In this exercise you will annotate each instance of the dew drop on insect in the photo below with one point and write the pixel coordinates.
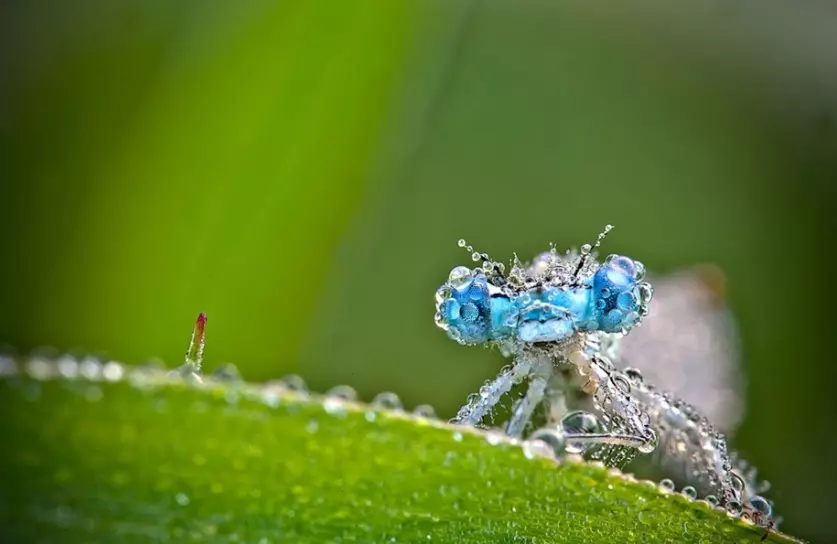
(761, 505)
(425, 411)
(459, 276)
(666, 485)
(651, 444)
(737, 482)
(634, 375)
(343, 392)
(386, 401)
(586, 249)
(689, 492)
(639, 273)
(475, 256)
(462, 242)
(645, 293)
(734, 508)
(621, 383)
(554, 438)
(712, 499)
(578, 422)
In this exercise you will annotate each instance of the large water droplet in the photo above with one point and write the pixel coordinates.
(761, 505)
(459, 277)
(639, 274)
(689, 492)
(112, 371)
(734, 508)
(227, 372)
(90, 368)
(651, 444)
(425, 411)
(554, 438)
(292, 382)
(387, 401)
(343, 392)
(634, 375)
(578, 422)
(666, 485)
(712, 499)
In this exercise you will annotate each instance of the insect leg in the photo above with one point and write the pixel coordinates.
(541, 372)
(493, 390)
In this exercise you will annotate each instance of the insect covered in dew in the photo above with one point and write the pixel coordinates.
(560, 319)
(550, 316)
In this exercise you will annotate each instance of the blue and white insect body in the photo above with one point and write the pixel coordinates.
(549, 302)
(547, 315)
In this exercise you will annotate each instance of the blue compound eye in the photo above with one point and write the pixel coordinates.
(469, 312)
(620, 297)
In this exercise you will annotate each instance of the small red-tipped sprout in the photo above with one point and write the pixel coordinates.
(194, 355)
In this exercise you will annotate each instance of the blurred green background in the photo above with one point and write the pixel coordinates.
(301, 171)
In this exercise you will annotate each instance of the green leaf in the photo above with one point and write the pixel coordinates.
(142, 456)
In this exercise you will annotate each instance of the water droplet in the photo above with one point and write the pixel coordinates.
(39, 368)
(736, 481)
(578, 422)
(639, 272)
(761, 505)
(586, 249)
(651, 444)
(457, 436)
(343, 392)
(8, 367)
(68, 367)
(312, 426)
(460, 276)
(462, 242)
(689, 492)
(424, 410)
(554, 438)
(734, 508)
(335, 406)
(648, 517)
(112, 371)
(712, 499)
(633, 374)
(371, 416)
(292, 382)
(494, 437)
(537, 448)
(621, 383)
(227, 372)
(90, 368)
(182, 499)
(646, 292)
(667, 485)
(475, 256)
(387, 401)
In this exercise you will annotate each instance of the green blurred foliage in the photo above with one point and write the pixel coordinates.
(301, 172)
